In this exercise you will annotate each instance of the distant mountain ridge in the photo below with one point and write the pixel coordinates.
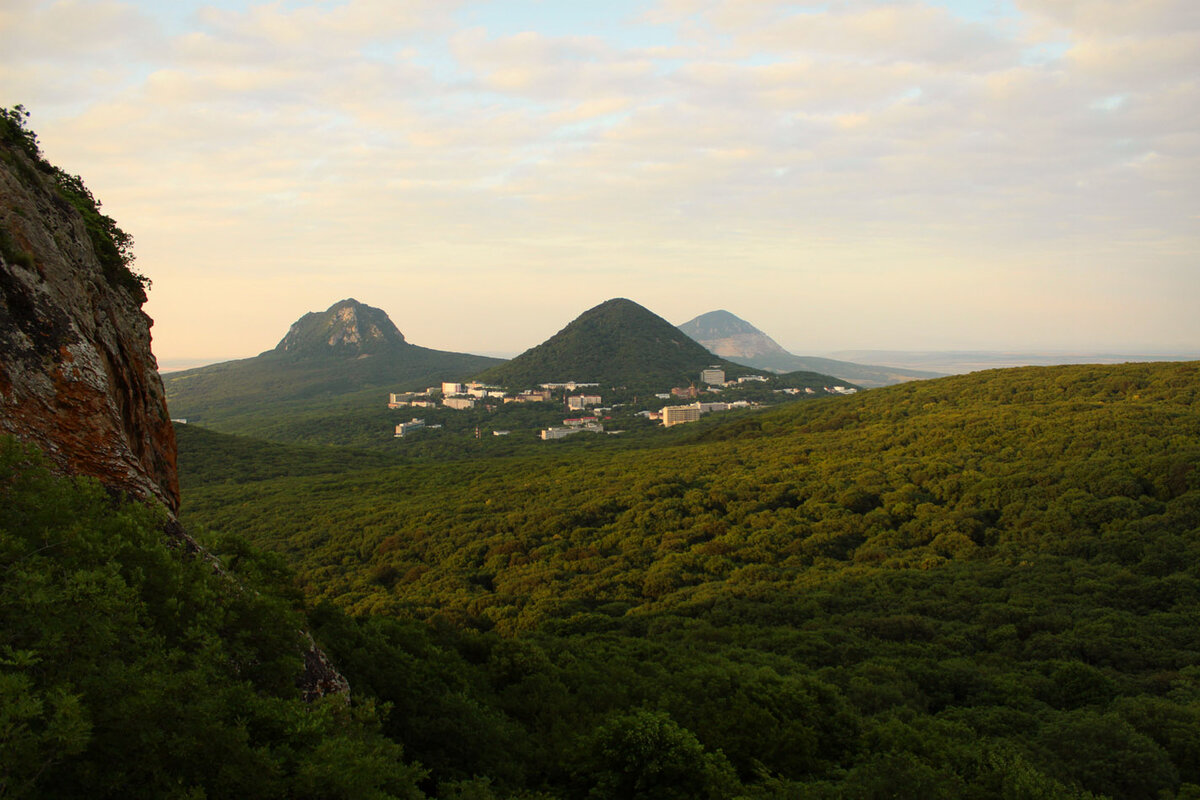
(732, 337)
(615, 343)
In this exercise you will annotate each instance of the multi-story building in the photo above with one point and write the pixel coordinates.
(570, 386)
(677, 415)
(529, 397)
(407, 427)
(583, 401)
(562, 433)
(450, 389)
(458, 403)
(401, 399)
(712, 376)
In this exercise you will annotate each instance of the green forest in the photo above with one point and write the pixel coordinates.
(980, 586)
(131, 667)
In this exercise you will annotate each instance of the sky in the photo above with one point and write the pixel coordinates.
(846, 174)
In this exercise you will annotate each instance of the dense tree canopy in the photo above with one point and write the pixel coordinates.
(130, 668)
(983, 586)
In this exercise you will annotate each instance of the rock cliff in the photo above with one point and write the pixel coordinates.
(77, 377)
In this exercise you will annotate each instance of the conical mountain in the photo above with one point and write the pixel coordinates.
(346, 328)
(617, 343)
(732, 337)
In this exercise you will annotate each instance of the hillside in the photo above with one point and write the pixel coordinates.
(973, 587)
(321, 381)
(617, 343)
(731, 337)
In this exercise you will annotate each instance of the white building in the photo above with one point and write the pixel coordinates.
(713, 376)
(407, 427)
(677, 415)
(570, 386)
(583, 401)
(402, 399)
(562, 433)
(458, 403)
(529, 397)
(451, 389)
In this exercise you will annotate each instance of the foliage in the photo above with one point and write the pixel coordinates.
(645, 754)
(113, 246)
(129, 668)
(982, 586)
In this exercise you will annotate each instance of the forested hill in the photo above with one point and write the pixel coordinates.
(975, 587)
(617, 343)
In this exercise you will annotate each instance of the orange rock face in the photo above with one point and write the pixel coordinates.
(77, 376)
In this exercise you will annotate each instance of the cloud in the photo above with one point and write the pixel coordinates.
(553, 69)
(320, 29)
(1117, 17)
(796, 148)
(74, 31)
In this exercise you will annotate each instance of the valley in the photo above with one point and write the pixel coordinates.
(950, 588)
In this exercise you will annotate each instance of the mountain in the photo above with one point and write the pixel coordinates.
(616, 343)
(328, 368)
(345, 328)
(731, 337)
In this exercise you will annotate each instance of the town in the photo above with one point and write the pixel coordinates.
(585, 406)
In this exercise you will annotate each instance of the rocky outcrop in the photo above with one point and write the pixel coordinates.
(77, 377)
(347, 328)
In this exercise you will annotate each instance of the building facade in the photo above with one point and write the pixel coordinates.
(677, 415)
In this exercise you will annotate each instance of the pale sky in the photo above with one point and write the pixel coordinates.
(847, 174)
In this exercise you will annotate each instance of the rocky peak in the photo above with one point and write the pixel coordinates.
(347, 327)
(731, 336)
(77, 377)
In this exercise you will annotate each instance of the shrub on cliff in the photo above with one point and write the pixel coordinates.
(113, 246)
